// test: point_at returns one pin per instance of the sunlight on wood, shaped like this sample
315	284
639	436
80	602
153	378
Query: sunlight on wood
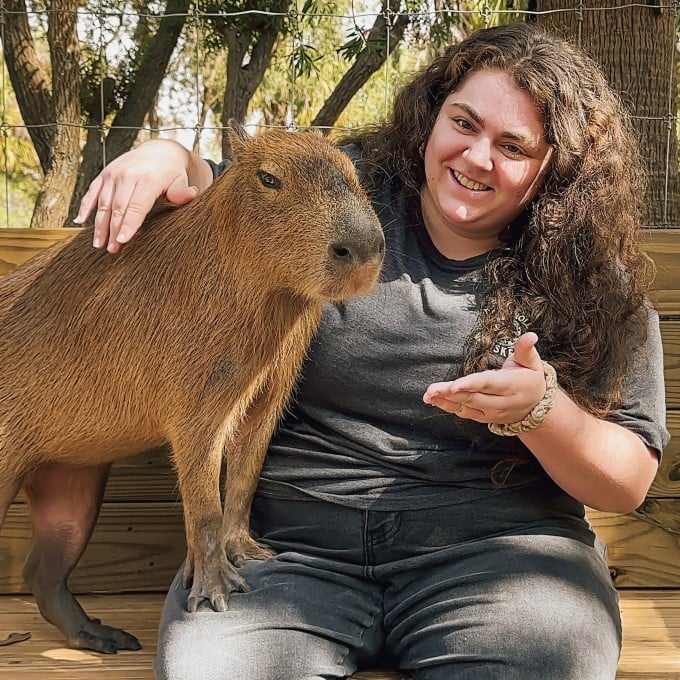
65	654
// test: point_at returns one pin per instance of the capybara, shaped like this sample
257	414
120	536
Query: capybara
192	336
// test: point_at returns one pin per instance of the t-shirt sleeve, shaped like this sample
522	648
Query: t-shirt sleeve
643	408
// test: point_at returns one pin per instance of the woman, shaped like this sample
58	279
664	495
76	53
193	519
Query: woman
425	495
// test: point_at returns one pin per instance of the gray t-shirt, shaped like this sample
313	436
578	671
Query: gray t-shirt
358	433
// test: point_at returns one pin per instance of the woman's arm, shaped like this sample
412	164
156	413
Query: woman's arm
158	171
600	463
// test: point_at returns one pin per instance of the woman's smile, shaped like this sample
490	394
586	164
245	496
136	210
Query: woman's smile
469	183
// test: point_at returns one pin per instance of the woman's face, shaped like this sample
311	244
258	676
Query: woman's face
484	161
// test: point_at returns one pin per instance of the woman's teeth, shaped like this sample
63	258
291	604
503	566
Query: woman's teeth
468	183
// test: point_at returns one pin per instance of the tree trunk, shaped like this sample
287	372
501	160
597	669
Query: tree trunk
29	80
635	46
248	55
143	92
381	43
51	207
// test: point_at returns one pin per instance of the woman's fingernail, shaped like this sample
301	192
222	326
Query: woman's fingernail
96	242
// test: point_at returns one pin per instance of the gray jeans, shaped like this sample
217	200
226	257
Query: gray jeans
505	590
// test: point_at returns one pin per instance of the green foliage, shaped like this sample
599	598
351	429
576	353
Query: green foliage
114	35
316	46
21	176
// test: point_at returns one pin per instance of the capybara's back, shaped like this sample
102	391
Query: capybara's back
102	350
196	329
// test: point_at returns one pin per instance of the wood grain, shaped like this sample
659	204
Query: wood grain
146	477
667	480
663	246
139	546
643	547
135	547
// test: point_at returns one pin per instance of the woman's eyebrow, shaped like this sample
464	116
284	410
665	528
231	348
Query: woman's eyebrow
523	139
470	112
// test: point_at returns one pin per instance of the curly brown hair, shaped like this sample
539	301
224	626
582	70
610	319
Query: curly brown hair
572	264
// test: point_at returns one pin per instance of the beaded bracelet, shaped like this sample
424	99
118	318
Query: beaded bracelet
537	414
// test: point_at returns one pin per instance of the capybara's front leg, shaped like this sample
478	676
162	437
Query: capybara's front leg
207	571
64	502
244	464
245	459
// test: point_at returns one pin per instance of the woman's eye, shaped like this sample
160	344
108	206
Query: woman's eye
463	123
268	180
514	150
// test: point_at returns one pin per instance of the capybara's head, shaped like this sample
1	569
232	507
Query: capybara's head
309	223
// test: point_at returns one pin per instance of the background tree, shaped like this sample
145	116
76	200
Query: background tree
183	68
128	96
49	109
636	45
19	164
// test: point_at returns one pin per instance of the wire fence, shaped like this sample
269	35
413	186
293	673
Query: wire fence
317	49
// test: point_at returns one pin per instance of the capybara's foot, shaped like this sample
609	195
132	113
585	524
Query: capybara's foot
105	639
212	578
245	548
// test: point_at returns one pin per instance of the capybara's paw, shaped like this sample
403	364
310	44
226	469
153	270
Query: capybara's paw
105	639
214	578
246	548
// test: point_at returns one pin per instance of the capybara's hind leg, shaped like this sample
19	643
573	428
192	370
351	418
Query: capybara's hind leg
64	502
8	490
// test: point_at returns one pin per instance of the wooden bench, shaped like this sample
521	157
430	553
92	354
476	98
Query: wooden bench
139	539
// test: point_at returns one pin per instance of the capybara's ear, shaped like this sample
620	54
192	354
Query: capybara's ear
237	137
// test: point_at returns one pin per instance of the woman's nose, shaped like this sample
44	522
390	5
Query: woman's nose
478	154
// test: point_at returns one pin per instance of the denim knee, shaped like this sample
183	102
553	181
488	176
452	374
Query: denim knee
188	653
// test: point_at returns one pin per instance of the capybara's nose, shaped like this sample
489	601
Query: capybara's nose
358	251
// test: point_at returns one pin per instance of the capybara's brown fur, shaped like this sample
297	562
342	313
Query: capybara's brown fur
193	335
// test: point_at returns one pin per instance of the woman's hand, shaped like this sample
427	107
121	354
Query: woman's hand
505	395
155	173
600	463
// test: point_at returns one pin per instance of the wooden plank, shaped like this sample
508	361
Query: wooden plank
644	546
18	245
139	545
667	480
44	655
663	246
670	336
651	639
651	635
134	547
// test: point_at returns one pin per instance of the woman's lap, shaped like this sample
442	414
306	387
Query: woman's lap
528	605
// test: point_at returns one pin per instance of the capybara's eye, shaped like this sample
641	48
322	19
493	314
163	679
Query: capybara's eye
268	180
